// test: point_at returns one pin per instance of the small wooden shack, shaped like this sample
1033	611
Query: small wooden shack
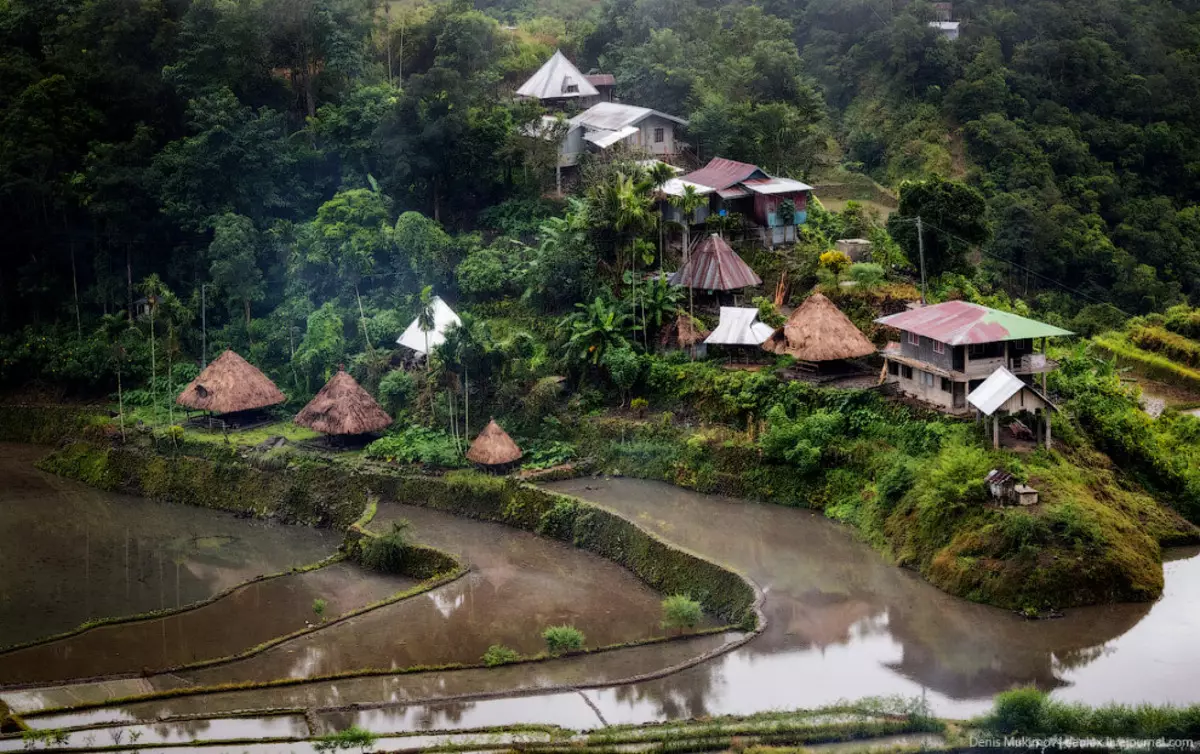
1003	393
819	336
493	449
684	334
343	409
1004	487
232	389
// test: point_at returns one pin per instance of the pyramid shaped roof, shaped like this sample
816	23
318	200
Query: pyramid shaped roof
554	78
229	384
493	447
342	407
819	331
715	267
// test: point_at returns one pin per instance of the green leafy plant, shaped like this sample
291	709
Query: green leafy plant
560	639
386	552
318	607
639	406
498	654
345	740
546	454
680	611
415	444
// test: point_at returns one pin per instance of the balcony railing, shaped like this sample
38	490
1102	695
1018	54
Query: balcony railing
1030	363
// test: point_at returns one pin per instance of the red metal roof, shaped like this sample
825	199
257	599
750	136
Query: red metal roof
721	173
715	267
960	322
601	79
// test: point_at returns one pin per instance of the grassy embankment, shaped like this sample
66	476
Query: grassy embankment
910	483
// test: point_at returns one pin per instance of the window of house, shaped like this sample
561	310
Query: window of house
572	88
906	372
914	339
939	347
927	379
893	368
947	385
977	349
659	135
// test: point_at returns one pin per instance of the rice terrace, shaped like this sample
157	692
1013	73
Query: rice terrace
599	376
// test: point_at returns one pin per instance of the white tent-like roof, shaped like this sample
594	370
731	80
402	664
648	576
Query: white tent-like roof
443	317
1000	385
739	326
558	78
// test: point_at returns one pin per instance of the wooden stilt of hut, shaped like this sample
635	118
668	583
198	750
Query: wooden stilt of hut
342	409
231	392
493	449
820	337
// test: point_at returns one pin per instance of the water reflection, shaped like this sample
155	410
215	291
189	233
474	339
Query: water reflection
844	623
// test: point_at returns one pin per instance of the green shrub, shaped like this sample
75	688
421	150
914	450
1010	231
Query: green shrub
867	274
681	611
639	406
1020	711
318	606
396	391
498	654
547	454
414	444
1184	321
561	639
386	552
345	740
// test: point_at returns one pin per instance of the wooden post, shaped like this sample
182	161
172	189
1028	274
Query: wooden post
966	362
1044	369
996	431
1007	365
1047	430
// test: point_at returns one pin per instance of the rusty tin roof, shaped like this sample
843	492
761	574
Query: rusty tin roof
959	323
714	266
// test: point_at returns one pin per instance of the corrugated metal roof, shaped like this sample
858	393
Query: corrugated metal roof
553	78
602	79
443	318
995	390
775	185
721	173
605	139
958	323
734	192
739	326
613	116
715	267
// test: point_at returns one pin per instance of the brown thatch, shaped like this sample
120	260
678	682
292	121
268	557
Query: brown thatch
682	333
229	384
818	331
493	447
343	408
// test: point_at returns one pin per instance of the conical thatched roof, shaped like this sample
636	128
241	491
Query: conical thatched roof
343	408
682	333
229	384
818	331
493	447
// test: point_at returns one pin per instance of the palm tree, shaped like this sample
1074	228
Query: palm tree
688	202
426	321
634	214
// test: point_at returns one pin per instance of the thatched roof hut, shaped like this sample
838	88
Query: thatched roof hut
342	407
230	384
493	447
818	331
682	334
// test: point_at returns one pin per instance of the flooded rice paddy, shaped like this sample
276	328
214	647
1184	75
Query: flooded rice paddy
842	624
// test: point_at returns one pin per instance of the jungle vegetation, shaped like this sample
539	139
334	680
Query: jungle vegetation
295	179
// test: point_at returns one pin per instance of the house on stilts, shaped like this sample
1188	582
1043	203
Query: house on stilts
343	409
820	337
231	392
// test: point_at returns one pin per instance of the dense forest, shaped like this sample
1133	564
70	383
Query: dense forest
298	179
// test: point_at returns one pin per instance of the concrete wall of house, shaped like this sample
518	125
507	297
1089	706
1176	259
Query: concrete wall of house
924	386
924	351
645	136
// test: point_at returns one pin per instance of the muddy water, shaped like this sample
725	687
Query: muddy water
249	616
518	585
69	553
844	623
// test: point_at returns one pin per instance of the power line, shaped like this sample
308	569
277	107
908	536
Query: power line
920	222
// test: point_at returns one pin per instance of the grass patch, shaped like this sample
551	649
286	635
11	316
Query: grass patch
1153	365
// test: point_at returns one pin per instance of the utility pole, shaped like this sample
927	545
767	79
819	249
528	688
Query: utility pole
921	248
203	326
